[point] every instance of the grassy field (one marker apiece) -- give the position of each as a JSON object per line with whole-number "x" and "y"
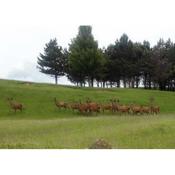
{"x": 42, "y": 125}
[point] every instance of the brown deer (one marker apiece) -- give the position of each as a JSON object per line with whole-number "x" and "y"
{"x": 123, "y": 108}
{"x": 15, "y": 105}
{"x": 83, "y": 108}
{"x": 155, "y": 109}
{"x": 114, "y": 104}
{"x": 136, "y": 109}
{"x": 74, "y": 106}
{"x": 60, "y": 104}
{"x": 145, "y": 109}
{"x": 107, "y": 107}
{"x": 94, "y": 107}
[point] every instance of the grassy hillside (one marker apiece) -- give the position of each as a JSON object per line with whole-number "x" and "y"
{"x": 42, "y": 125}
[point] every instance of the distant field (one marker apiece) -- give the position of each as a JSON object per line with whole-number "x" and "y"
{"x": 42, "y": 125}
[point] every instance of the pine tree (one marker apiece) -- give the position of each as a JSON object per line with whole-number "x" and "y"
{"x": 84, "y": 57}
{"x": 53, "y": 61}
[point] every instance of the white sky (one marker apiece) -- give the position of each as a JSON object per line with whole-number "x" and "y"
{"x": 26, "y": 25}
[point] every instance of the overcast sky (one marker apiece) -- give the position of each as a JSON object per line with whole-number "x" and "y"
{"x": 26, "y": 25}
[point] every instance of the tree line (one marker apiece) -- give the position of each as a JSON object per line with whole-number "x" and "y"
{"x": 122, "y": 64}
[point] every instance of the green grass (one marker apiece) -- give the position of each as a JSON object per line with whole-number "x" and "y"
{"x": 42, "y": 125}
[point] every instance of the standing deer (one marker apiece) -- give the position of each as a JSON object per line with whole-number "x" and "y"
{"x": 136, "y": 109}
{"x": 15, "y": 105}
{"x": 60, "y": 104}
{"x": 123, "y": 108}
{"x": 106, "y": 107}
{"x": 145, "y": 109}
{"x": 114, "y": 103}
{"x": 155, "y": 109}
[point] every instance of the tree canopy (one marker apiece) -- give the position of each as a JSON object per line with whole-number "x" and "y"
{"x": 84, "y": 57}
{"x": 122, "y": 63}
{"x": 53, "y": 61}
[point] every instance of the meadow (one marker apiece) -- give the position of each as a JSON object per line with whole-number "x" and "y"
{"x": 43, "y": 125}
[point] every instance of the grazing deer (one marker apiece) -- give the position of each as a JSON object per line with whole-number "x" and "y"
{"x": 114, "y": 104}
{"x": 136, "y": 109}
{"x": 83, "y": 108}
{"x": 15, "y": 105}
{"x": 93, "y": 107}
{"x": 123, "y": 108}
{"x": 60, "y": 104}
{"x": 74, "y": 106}
{"x": 155, "y": 109}
{"x": 145, "y": 109}
{"x": 106, "y": 107}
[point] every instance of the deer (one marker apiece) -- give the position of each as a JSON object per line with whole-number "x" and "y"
{"x": 15, "y": 105}
{"x": 74, "y": 106}
{"x": 83, "y": 108}
{"x": 145, "y": 109}
{"x": 120, "y": 108}
{"x": 114, "y": 104}
{"x": 106, "y": 107}
{"x": 136, "y": 109}
{"x": 60, "y": 104}
{"x": 155, "y": 109}
{"x": 123, "y": 108}
{"x": 94, "y": 107}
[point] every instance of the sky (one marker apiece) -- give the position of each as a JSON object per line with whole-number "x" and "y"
{"x": 27, "y": 25}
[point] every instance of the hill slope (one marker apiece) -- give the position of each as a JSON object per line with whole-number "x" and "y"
{"x": 38, "y": 98}
{"x": 42, "y": 125}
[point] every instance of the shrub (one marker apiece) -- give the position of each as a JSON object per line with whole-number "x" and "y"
{"x": 100, "y": 144}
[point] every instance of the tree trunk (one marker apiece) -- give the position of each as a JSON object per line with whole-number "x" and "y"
{"x": 111, "y": 84}
{"x": 124, "y": 83}
{"x": 137, "y": 82}
{"x": 81, "y": 84}
{"x": 149, "y": 83}
{"x": 89, "y": 83}
{"x": 103, "y": 84}
{"x": 145, "y": 78}
{"x": 132, "y": 83}
{"x": 129, "y": 83}
{"x": 56, "y": 79}
{"x": 92, "y": 82}
{"x": 118, "y": 83}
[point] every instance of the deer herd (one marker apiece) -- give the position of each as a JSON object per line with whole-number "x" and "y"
{"x": 90, "y": 107}
{"x": 114, "y": 106}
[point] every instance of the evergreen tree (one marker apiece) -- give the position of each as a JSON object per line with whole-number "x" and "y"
{"x": 84, "y": 57}
{"x": 53, "y": 61}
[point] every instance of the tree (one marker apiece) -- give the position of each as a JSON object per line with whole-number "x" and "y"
{"x": 101, "y": 75}
{"x": 122, "y": 62}
{"x": 146, "y": 65}
{"x": 114, "y": 64}
{"x": 162, "y": 65}
{"x": 84, "y": 57}
{"x": 53, "y": 61}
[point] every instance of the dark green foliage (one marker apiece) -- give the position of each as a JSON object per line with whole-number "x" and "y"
{"x": 124, "y": 63}
{"x": 133, "y": 63}
{"x": 84, "y": 57}
{"x": 53, "y": 61}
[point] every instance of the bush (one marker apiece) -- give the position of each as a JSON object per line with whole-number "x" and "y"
{"x": 100, "y": 144}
